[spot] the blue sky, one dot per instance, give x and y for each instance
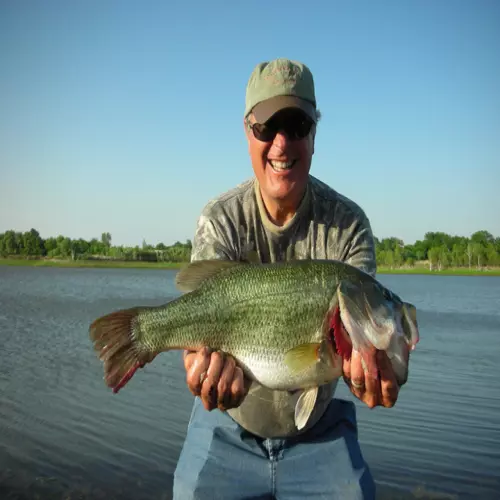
(127, 116)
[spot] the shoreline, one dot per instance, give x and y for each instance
(91, 264)
(109, 264)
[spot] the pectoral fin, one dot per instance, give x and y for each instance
(305, 406)
(303, 356)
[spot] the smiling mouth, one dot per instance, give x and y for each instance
(282, 166)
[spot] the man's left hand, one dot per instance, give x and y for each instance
(373, 392)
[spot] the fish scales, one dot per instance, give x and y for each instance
(273, 310)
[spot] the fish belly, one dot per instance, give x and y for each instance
(271, 371)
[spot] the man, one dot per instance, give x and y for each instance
(249, 446)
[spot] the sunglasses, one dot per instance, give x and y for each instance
(296, 127)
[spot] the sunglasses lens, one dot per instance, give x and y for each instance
(296, 128)
(299, 129)
(263, 132)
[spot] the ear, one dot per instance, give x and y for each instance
(247, 131)
(313, 138)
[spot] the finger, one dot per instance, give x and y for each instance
(225, 381)
(389, 386)
(357, 379)
(239, 388)
(346, 368)
(198, 363)
(209, 387)
(372, 396)
(188, 358)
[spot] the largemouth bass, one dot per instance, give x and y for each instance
(288, 325)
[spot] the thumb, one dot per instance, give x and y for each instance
(346, 367)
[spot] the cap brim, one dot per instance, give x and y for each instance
(266, 109)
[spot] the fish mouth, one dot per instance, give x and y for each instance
(367, 316)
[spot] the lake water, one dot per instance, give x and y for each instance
(63, 434)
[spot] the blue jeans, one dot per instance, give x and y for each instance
(220, 460)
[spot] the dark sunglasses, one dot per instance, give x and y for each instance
(296, 127)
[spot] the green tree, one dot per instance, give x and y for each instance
(491, 255)
(50, 245)
(469, 252)
(443, 257)
(482, 237)
(389, 258)
(10, 243)
(96, 247)
(79, 248)
(106, 243)
(457, 256)
(478, 253)
(64, 247)
(398, 256)
(33, 243)
(433, 256)
(380, 256)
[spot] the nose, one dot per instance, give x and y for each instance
(281, 141)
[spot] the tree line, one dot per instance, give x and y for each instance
(31, 245)
(438, 250)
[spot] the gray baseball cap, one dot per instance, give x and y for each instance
(280, 84)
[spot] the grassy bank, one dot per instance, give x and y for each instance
(460, 271)
(90, 263)
(452, 271)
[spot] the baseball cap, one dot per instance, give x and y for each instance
(279, 84)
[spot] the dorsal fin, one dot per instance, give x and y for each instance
(191, 277)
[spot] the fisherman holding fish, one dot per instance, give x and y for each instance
(280, 302)
(252, 448)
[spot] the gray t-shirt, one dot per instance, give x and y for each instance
(326, 225)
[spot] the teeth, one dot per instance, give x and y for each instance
(281, 165)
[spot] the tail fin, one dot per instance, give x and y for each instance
(114, 337)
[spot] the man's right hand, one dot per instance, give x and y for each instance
(215, 378)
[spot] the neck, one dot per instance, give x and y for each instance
(281, 212)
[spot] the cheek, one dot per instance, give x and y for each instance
(258, 150)
(306, 147)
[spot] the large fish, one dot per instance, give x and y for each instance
(288, 325)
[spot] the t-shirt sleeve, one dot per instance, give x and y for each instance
(361, 247)
(212, 240)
